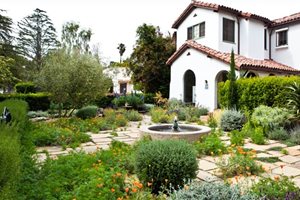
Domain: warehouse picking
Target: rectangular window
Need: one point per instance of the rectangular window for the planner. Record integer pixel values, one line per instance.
(196, 31)
(265, 39)
(228, 30)
(282, 38)
(123, 88)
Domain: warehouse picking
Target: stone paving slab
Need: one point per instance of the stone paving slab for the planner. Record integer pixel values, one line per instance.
(206, 165)
(295, 147)
(208, 177)
(267, 166)
(49, 149)
(297, 181)
(264, 155)
(210, 158)
(293, 151)
(262, 147)
(102, 135)
(41, 157)
(102, 140)
(87, 144)
(289, 159)
(90, 149)
(275, 153)
(287, 171)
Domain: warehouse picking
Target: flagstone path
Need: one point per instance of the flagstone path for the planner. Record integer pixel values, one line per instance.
(289, 165)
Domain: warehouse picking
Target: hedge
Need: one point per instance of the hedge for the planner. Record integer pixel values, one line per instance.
(25, 87)
(252, 92)
(37, 101)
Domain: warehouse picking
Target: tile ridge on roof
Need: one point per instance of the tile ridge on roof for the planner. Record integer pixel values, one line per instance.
(286, 19)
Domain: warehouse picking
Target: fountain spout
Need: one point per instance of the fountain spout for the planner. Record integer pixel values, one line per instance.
(175, 124)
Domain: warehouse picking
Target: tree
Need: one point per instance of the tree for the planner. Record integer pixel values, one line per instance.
(75, 39)
(122, 49)
(233, 95)
(148, 60)
(6, 76)
(72, 78)
(5, 28)
(37, 37)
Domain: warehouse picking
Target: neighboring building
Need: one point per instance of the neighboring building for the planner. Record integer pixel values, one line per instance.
(206, 34)
(121, 79)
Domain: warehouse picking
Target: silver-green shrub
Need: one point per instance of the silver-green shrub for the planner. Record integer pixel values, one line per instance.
(232, 120)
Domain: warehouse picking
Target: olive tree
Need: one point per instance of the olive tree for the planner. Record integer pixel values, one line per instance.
(73, 79)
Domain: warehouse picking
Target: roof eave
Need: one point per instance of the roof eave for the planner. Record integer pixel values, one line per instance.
(259, 68)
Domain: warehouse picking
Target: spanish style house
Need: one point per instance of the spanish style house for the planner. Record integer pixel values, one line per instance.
(206, 34)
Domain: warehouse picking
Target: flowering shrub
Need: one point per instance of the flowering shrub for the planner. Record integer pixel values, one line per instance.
(159, 115)
(276, 188)
(210, 145)
(240, 162)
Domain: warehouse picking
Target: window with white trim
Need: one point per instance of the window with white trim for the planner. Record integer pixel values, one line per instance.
(196, 31)
(228, 30)
(281, 37)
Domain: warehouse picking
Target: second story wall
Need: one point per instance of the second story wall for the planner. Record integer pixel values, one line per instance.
(285, 45)
(196, 17)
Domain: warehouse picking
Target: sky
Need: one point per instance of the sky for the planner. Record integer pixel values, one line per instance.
(115, 21)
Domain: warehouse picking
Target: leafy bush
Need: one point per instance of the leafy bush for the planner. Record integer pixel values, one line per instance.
(237, 138)
(212, 191)
(164, 163)
(105, 101)
(159, 115)
(25, 87)
(240, 162)
(133, 115)
(212, 122)
(269, 91)
(232, 120)
(277, 188)
(278, 134)
(295, 135)
(257, 136)
(37, 101)
(293, 96)
(87, 112)
(210, 145)
(149, 98)
(270, 118)
(132, 100)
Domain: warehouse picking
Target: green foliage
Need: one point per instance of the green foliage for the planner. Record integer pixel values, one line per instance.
(253, 92)
(149, 98)
(36, 37)
(277, 188)
(295, 135)
(211, 191)
(159, 115)
(87, 112)
(232, 120)
(33, 114)
(240, 162)
(36, 101)
(270, 118)
(6, 77)
(148, 60)
(237, 138)
(210, 145)
(233, 95)
(122, 48)
(105, 101)
(293, 96)
(25, 87)
(212, 122)
(132, 100)
(269, 159)
(257, 136)
(164, 163)
(73, 79)
(278, 134)
(133, 115)
(46, 135)
(6, 24)
(114, 119)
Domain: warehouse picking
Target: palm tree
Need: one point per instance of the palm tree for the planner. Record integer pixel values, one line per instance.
(122, 49)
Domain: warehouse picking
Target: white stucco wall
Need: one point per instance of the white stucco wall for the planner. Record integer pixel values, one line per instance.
(225, 46)
(288, 55)
(205, 69)
(211, 29)
(256, 40)
(119, 74)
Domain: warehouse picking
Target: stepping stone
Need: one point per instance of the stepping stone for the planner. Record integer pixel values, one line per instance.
(296, 165)
(90, 149)
(262, 147)
(58, 153)
(103, 146)
(210, 158)
(268, 167)
(273, 141)
(133, 135)
(225, 138)
(297, 181)
(206, 165)
(275, 153)
(124, 139)
(87, 144)
(50, 149)
(96, 136)
(205, 176)
(41, 157)
(102, 140)
(287, 171)
(295, 147)
(263, 155)
(289, 159)
(293, 151)
(120, 137)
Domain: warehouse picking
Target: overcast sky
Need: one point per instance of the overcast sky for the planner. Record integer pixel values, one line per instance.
(115, 21)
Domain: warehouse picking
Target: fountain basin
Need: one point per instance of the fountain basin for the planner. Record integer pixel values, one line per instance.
(187, 132)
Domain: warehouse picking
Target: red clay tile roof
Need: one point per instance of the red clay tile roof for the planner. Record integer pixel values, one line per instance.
(241, 62)
(286, 20)
(215, 7)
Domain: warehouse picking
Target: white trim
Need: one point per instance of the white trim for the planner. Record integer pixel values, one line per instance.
(282, 29)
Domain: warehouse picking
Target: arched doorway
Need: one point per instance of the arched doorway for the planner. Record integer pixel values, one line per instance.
(189, 81)
(222, 76)
(251, 75)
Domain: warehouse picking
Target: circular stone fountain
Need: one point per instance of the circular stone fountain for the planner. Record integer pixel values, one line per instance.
(187, 132)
